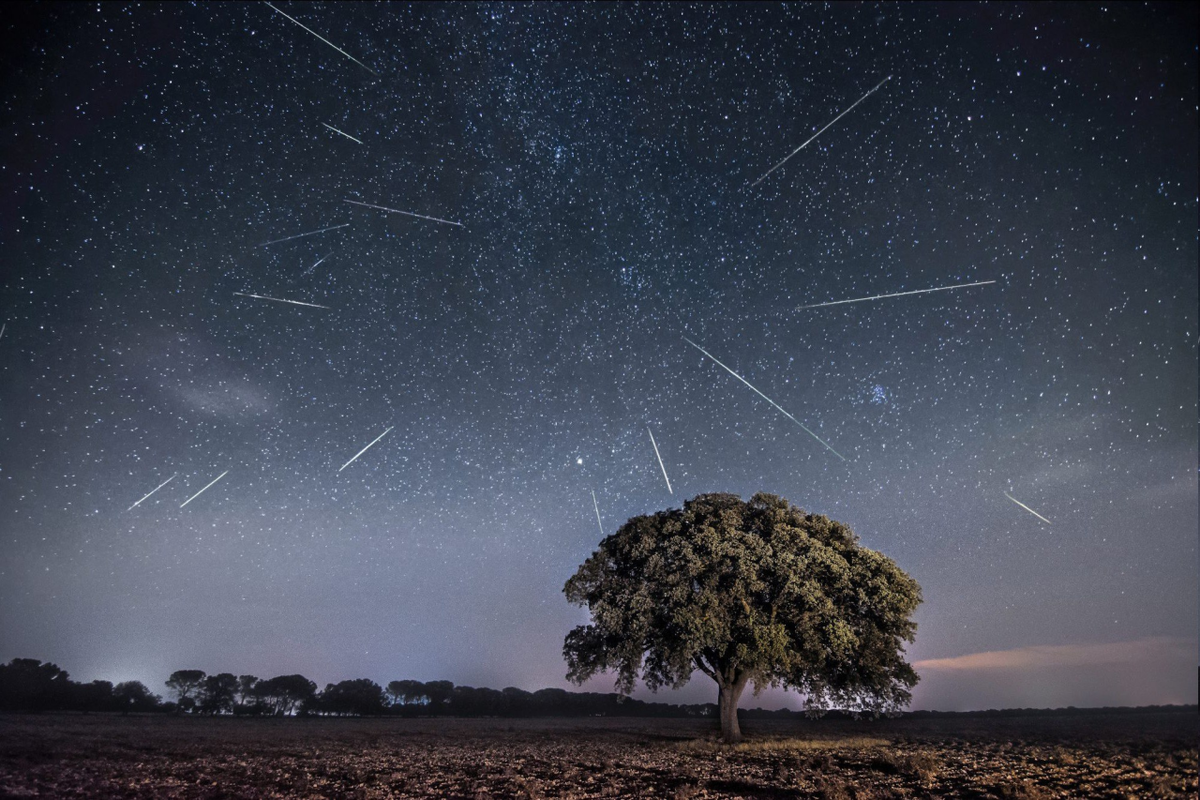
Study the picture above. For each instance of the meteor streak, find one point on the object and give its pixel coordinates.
(365, 449)
(597, 507)
(310, 233)
(1027, 508)
(343, 133)
(314, 266)
(897, 294)
(406, 213)
(764, 397)
(280, 300)
(202, 491)
(818, 133)
(152, 491)
(660, 461)
(326, 41)
(2, 327)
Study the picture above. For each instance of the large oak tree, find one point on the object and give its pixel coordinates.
(756, 591)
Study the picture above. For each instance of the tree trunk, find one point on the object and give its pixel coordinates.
(727, 704)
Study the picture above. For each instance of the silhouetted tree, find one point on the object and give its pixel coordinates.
(27, 684)
(517, 702)
(185, 684)
(468, 701)
(245, 691)
(407, 692)
(360, 697)
(745, 591)
(134, 696)
(94, 696)
(439, 694)
(285, 693)
(218, 693)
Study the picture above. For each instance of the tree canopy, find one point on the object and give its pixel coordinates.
(756, 591)
(186, 684)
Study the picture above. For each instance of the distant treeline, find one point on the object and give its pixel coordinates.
(27, 684)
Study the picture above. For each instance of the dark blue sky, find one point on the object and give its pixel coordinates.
(599, 159)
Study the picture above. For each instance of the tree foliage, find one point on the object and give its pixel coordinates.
(407, 692)
(218, 693)
(285, 694)
(186, 685)
(360, 698)
(756, 591)
(134, 696)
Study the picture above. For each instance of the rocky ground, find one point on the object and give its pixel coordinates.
(1135, 755)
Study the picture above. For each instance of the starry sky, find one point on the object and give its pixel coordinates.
(598, 161)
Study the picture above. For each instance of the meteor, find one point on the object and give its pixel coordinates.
(597, 507)
(365, 449)
(202, 491)
(280, 300)
(152, 491)
(343, 133)
(818, 133)
(764, 397)
(2, 327)
(660, 461)
(897, 294)
(314, 266)
(1027, 508)
(406, 213)
(310, 233)
(326, 41)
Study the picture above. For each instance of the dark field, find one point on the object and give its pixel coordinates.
(1136, 755)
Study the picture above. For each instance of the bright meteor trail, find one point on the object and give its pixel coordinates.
(406, 213)
(314, 266)
(818, 133)
(897, 294)
(310, 233)
(660, 461)
(1027, 508)
(365, 449)
(152, 491)
(279, 300)
(326, 41)
(597, 507)
(343, 133)
(764, 397)
(205, 489)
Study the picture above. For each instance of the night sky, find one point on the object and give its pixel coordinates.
(599, 160)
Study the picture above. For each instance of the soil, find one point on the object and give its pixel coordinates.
(99, 756)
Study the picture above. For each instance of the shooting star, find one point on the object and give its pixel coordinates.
(1027, 508)
(897, 294)
(314, 266)
(660, 461)
(343, 133)
(310, 233)
(152, 491)
(597, 507)
(326, 41)
(818, 133)
(280, 300)
(365, 449)
(2, 327)
(406, 213)
(764, 397)
(205, 489)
